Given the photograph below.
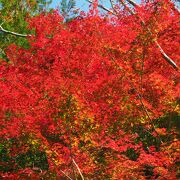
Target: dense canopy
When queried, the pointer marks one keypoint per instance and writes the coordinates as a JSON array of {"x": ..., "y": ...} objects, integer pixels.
[{"x": 93, "y": 98}]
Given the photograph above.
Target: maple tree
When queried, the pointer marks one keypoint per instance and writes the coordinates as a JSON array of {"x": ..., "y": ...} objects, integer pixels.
[{"x": 93, "y": 97}]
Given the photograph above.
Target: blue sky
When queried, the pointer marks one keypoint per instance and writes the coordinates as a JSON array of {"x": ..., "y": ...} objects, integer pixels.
[{"x": 83, "y": 4}]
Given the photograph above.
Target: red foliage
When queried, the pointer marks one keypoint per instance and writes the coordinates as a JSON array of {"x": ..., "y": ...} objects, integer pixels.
[{"x": 81, "y": 88}]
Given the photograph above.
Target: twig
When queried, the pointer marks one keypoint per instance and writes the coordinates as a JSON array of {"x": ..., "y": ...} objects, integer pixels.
[
  {"x": 132, "y": 3},
  {"x": 12, "y": 33},
  {"x": 166, "y": 57},
  {"x": 78, "y": 169},
  {"x": 104, "y": 8},
  {"x": 66, "y": 175},
  {"x": 113, "y": 6},
  {"x": 126, "y": 7}
]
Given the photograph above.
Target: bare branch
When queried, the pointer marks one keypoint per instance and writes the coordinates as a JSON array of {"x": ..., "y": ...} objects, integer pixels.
[
  {"x": 126, "y": 7},
  {"x": 12, "y": 33},
  {"x": 113, "y": 6},
  {"x": 166, "y": 57},
  {"x": 132, "y": 3},
  {"x": 66, "y": 175},
  {"x": 78, "y": 169},
  {"x": 104, "y": 8}
]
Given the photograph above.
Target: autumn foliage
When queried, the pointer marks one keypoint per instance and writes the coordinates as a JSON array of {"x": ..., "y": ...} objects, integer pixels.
[{"x": 95, "y": 91}]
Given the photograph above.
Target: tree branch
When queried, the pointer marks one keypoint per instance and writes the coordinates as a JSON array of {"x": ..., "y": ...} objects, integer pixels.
[
  {"x": 104, "y": 8},
  {"x": 113, "y": 6},
  {"x": 132, "y": 3},
  {"x": 166, "y": 57},
  {"x": 66, "y": 175},
  {"x": 12, "y": 33},
  {"x": 78, "y": 169},
  {"x": 126, "y": 7}
]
